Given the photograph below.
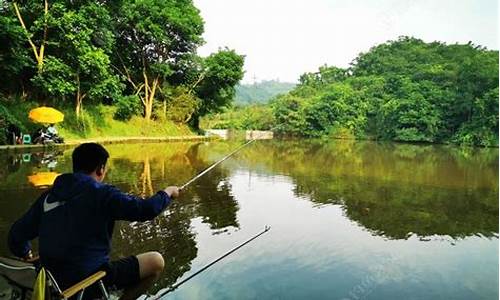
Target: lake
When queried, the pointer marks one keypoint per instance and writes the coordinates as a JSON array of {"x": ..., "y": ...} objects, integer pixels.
[{"x": 349, "y": 220}]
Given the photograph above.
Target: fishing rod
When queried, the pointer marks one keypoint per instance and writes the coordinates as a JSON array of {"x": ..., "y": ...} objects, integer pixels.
[
  {"x": 182, "y": 187},
  {"x": 175, "y": 286},
  {"x": 220, "y": 161}
]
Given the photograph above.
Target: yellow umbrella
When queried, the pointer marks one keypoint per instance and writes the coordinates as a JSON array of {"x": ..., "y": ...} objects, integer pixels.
[
  {"x": 46, "y": 115},
  {"x": 43, "y": 178}
]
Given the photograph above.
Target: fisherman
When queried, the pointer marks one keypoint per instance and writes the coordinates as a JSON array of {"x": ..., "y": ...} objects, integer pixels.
[
  {"x": 74, "y": 223},
  {"x": 51, "y": 130}
]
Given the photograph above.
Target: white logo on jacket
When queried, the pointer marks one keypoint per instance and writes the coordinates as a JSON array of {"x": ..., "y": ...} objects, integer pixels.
[{"x": 50, "y": 206}]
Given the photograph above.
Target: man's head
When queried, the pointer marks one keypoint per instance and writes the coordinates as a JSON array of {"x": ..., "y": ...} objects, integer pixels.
[{"x": 90, "y": 158}]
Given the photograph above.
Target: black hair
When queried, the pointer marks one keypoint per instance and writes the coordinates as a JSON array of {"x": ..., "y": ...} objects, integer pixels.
[{"x": 89, "y": 157}]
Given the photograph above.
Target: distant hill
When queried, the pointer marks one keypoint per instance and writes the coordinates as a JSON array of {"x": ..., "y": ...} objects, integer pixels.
[{"x": 260, "y": 92}]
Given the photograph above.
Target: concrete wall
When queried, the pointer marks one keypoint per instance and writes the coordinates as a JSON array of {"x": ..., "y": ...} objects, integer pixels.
[
  {"x": 223, "y": 133},
  {"x": 259, "y": 135}
]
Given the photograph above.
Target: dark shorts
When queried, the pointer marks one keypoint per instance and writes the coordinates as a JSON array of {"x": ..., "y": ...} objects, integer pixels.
[{"x": 122, "y": 273}]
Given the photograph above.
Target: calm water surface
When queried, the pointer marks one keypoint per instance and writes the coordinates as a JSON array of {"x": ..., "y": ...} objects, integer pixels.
[{"x": 350, "y": 220}]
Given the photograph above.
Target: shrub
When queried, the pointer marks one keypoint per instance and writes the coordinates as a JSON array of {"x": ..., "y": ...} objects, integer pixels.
[
  {"x": 127, "y": 106},
  {"x": 181, "y": 105},
  {"x": 6, "y": 119}
]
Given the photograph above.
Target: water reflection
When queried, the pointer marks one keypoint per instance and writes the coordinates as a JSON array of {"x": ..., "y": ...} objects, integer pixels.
[
  {"x": 210, "y": 198},
  {"x": 396, "y": 191},
  {"x": 171, "y": 235},
  {"x": 212, "y": 194},
  {"x": 43, "y": 179}
]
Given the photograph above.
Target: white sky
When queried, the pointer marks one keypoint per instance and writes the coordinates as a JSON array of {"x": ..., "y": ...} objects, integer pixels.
[{"x": 285, "y": 38}]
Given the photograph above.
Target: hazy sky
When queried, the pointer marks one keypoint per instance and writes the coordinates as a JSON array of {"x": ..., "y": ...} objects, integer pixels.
[{"x": 285, "y": 38}]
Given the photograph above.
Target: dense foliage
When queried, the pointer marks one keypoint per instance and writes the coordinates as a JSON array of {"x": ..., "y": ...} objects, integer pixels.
[
  {"x": 404, "y": 90},
  {"x": 260, "y": 92},
  {"x": 139, "y": 55},
  {"x": 246, "y": 117}
]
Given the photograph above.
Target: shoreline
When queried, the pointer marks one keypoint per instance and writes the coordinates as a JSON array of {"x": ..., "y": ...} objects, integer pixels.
[{"x": 107, "y": 141}]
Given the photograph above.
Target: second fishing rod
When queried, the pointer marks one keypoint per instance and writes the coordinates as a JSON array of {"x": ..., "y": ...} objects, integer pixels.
[{"x": 205, "y": 171}]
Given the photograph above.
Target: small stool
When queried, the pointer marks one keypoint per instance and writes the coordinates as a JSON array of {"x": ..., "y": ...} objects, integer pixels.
[{"x": 26, "y": 139}]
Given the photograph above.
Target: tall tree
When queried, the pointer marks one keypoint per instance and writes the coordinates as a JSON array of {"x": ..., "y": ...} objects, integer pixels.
[
  {"x": 153, "y": 36},
  {"x": 78, "y": 63},
  {"x": 221, "y": 71},
  {"x": 35, "y": 33}
]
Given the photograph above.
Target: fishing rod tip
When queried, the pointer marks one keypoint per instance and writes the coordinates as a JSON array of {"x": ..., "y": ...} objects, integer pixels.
[{"x": 267, "y": 228}]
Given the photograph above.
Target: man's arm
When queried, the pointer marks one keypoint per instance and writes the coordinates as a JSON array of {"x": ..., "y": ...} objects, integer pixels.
[
  {"x": 25, "y": 229},
  {"x": 121, "y": 206}
]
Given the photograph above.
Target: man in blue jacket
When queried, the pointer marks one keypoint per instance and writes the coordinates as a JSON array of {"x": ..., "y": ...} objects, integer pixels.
[{"x": 74, "y": 223}]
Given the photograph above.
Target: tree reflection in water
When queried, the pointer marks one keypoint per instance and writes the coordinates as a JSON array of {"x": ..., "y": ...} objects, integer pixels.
[
  {"x": 209, "y": 198},
  {"x": 394, "y": 190},
  {"x": 214, "y": 200}
]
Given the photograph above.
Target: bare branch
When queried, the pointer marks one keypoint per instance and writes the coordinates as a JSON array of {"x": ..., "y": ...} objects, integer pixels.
[
  {"x": 18, "y": 14},
  {"x": 44, "y": 40},
  {"x": 202, "y": 76}
]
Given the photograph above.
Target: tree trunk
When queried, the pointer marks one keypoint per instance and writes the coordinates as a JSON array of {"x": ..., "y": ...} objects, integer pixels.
[
  {"x": 149, "y": 96},
  {"x": 195, "y": 122},
  {"x": 38, "y": 52},
  {"x": 78, "y": 107},
  {"x": 79, "y": 98}
]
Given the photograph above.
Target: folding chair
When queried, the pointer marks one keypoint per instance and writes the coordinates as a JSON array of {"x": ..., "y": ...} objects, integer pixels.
[{"x": 22, "y": 275}]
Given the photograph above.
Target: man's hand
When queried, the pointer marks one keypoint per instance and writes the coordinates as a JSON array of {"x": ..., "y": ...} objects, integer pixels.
[
  {"x": 172, "y": 191},
  {"x": 28, "y": 256}
]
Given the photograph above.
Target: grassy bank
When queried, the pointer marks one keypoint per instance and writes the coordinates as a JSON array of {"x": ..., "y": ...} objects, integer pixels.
[{"x": 96, "y": 122}]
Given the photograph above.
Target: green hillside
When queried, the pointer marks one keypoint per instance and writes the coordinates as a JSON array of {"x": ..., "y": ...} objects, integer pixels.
[
  {"x": 260, "y": 92},
  {"x": 404, "y": 90}
]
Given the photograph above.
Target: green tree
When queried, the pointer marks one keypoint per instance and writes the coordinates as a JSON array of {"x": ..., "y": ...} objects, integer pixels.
[
  {"x": 78, "y": 61},
  {"x": 481, "y": 128},
  {"x": 220, "y": 73},
  {"x": 288, "y": 112},
  {"x": 325, "y": 75},
  {"x": 36, "y": 32},
  {"x": 181, "y": 105},
  {"x": 405, "y": 90},
  {"x": 337, "y": 109},
  {"x": 408, "y": 114},
  {"x": 154, "y": 35},
  {"x": 15, "y": 59}
]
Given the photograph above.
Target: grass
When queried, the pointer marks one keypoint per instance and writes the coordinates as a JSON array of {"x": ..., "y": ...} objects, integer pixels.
[{"x": 97, "y": 122}]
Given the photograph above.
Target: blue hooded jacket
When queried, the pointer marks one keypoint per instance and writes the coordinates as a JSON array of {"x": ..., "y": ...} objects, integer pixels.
[{"x": 74, "y": 223}]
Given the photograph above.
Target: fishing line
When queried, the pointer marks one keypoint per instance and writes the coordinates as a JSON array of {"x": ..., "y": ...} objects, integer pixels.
[{"x": 266, "y": 228}]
